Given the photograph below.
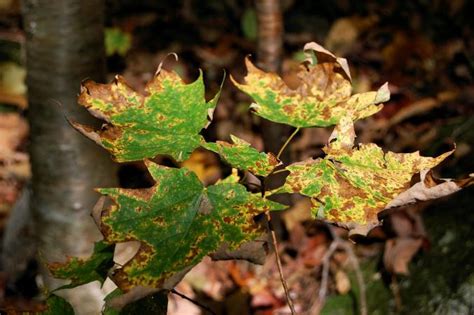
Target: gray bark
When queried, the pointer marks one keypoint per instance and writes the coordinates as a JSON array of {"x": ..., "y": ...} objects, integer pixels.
[{"x": 64, "y": 45}]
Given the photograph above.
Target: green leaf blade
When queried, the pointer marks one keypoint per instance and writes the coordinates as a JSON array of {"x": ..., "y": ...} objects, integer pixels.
[
  {"x": 56, "y": 305},
  {"x": 166, "y": 120},
  {"x": 352, "y": 186},
  {"x": 178, "y": 222},
  {"x": 322, "y": 98},
  {"x": 82, "y": 271},
  {"x": 242, "y": 156}
]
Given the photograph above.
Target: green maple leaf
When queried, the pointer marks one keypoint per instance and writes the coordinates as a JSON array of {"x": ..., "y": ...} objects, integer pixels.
[
  {"x": 57, "y": 305},
  {"x": 117, "y": 41},
  {"x": 352, "y": 185},
  {"x": 242, "y": 156},
  {"x": 322, "y": 98},
  {"x": 178, "y": 222},
  {"x": 82, "y": 271},
  {"x": 166, "y": 120}
]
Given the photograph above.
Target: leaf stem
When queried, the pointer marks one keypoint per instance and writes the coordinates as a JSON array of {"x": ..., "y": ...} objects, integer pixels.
[
  {"x": 287, "y": 142},
  {"x": 204, "y": 307},
  {"x": 278, "y": 261}
]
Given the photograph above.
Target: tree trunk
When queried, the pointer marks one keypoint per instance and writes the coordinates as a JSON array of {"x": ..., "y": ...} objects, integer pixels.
[
  {"x": 65, "y": 45},
  {"x": 269, "y": 54}
]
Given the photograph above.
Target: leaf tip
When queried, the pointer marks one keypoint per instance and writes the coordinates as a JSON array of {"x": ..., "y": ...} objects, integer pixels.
[{"x": 383, "y": 94}]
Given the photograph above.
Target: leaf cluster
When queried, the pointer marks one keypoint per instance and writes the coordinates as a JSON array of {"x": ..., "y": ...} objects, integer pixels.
[{"x": 178, "y": 221}]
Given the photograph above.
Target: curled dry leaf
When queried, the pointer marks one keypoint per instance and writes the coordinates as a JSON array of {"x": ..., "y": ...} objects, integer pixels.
[
  {"x": 166, "y": 120},
  {"x": 242, "y": 156},
  {"x": 322, "y": 98},
  {"x": 429, "y": 188},
  {"x": 399, "y": 252}
]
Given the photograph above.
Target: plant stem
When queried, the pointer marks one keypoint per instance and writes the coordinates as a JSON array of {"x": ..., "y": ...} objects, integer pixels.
[
  {"x": 204, "y": 307},
  {"x": 287, "y": 142},
  {"x": 278, "y": 261}
]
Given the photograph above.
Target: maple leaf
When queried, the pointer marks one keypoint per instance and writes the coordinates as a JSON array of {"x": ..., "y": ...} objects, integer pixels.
[
  {"x": 166, "y": 120},
  {"x": 322, "y": 98},
  {"x": 242, "y": 156},
  {"x": 350, "y": 186},
  {"x": 178, "y": 221},
  {"x": 56, "y": 305},
  {"x": 82, "y": 271}
]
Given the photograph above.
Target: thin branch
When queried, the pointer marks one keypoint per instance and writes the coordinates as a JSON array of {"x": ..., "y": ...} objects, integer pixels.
[
  {"x": 325, "y": 273},
  {"x": 279, "y": 171},
  {"x": 335, "y": 244},
  {"x": 280, "y": 269},
  {"x": 287, "y": 142},
  {"x": 396, "y": 293},
  {"x": 204, "y": 307},
  {"x": 318, "y": 305},
  {"x": 359, "y": 277}
]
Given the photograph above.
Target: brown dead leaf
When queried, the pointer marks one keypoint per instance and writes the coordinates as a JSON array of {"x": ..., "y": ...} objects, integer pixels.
[
  {"x": 297, "y": 214},
  {"x": 13, "y": 131},
  {"x": 399, "y": 252},
  {"x": 343, "y": 284},
  {"x": 429, "y": 188},
  {"x": 205, "y": 165},
  {"x": 345, "y": 31}
]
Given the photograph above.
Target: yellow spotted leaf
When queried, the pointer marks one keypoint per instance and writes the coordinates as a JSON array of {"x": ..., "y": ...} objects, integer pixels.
[
  {"x": 323, "y": 97},
  {"x": 167, "y": 119}
]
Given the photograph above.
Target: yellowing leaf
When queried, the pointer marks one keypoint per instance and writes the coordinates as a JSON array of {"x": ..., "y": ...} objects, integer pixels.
[
  {"x": 178, "y": 221},
  {"x": 166, "y": 120},
  {"x": 352, "y": 185},
  {"x": 242, "y": 156},
  {"x": 322, "y": 99}
]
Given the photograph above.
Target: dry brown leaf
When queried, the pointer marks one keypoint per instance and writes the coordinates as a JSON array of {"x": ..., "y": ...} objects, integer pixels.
[
  {"x": 429, "y": 188},
  {"x": 399, "y": 252},
  {"x": 343, "y": 284}
]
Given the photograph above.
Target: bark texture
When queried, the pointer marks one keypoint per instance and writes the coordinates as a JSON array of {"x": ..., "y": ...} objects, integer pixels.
[
  {"x": 269, "y": 55},
  {"x": 64, "y": 45}
]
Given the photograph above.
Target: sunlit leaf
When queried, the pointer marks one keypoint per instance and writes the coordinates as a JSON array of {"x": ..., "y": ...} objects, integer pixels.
[
  {"x": 242, "y": 156},
  {"x": 351, "y": 186},
  {"x": 178, "y": 222},
  {"x": 166, "y": 120},
  {"x": 323, "y": 97}
]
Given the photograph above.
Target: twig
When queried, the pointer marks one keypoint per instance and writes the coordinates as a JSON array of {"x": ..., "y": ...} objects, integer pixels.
[
  {"x": 325, "y": 273},
  {"x": 204, "y": 307},
  {"x": 317, "y": 306},
  {"x": 279, "y": 171},
  {"x": 359, "y": 277},
  {"x": 335, "y": 244},
  {"x": 396, "y": 293},
  {"x": 280, "y": 269},
  {"x": 287, "y": 142}
]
